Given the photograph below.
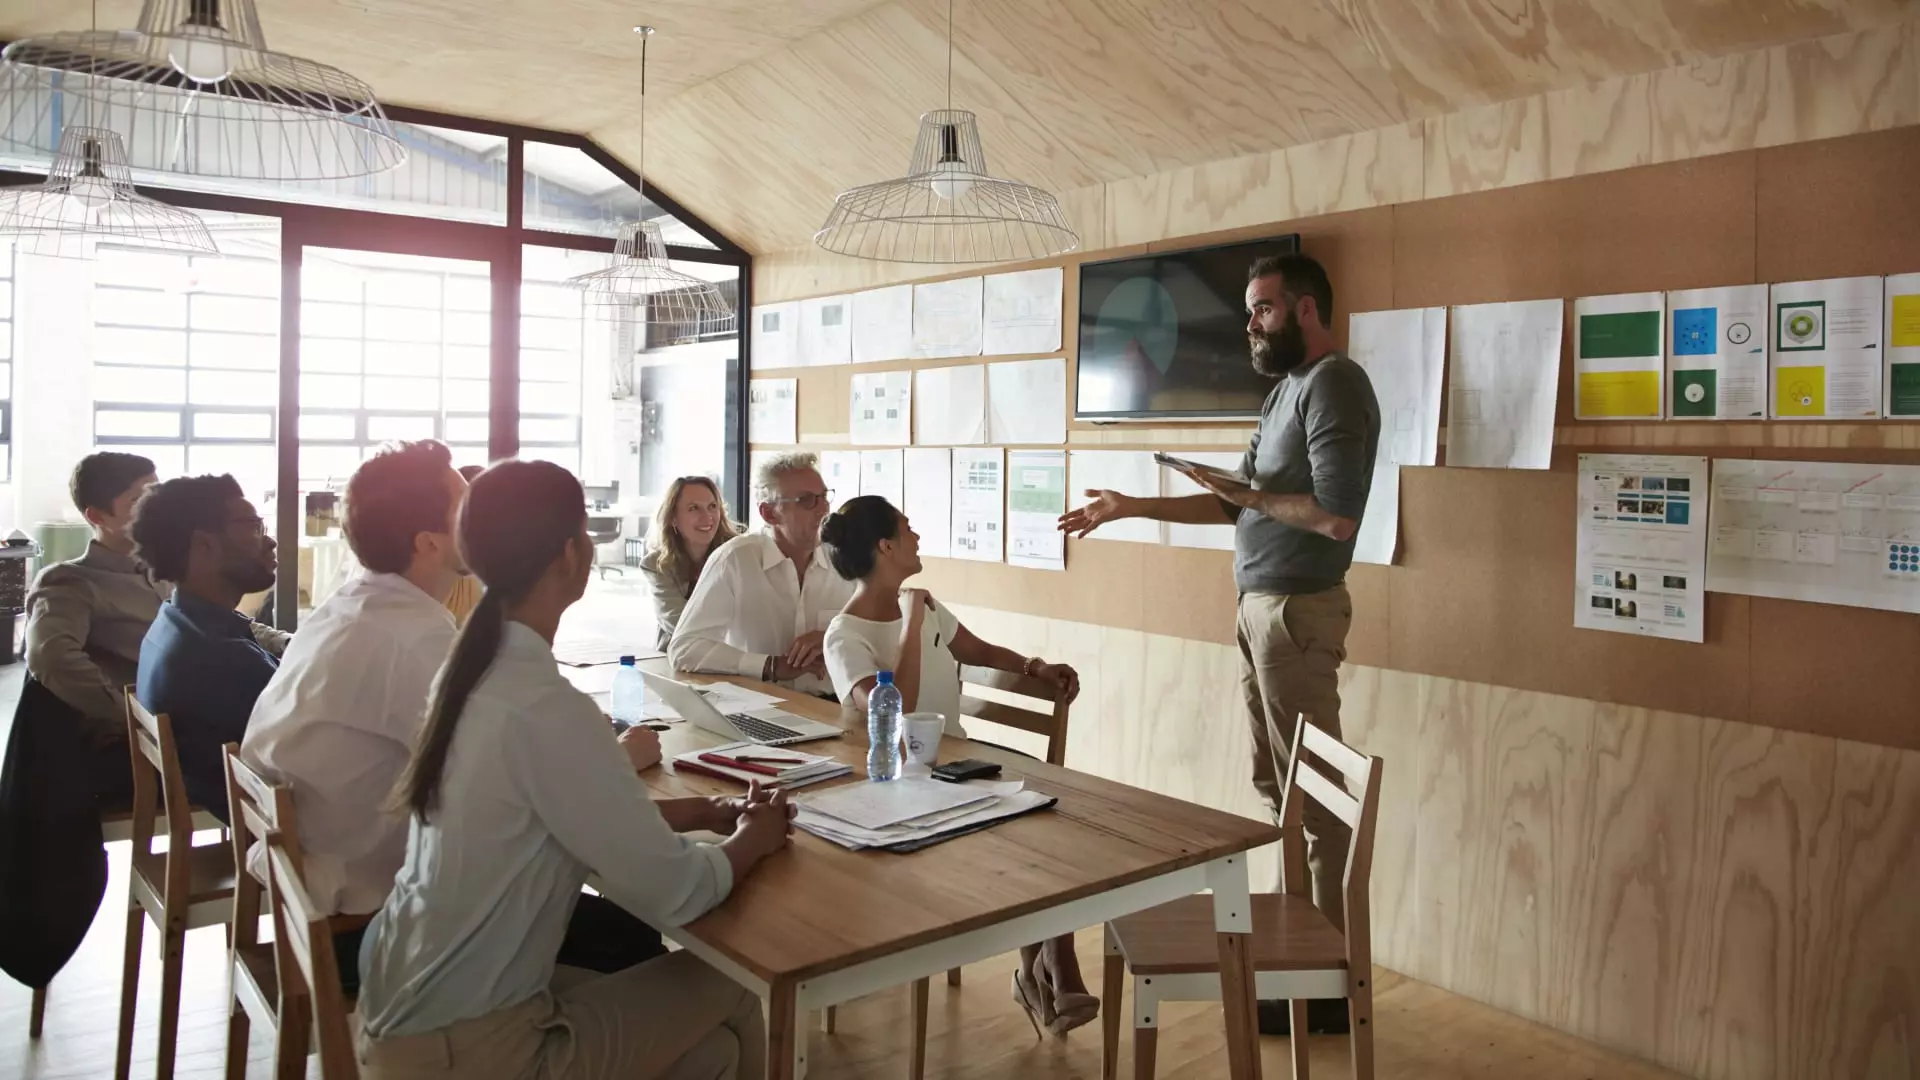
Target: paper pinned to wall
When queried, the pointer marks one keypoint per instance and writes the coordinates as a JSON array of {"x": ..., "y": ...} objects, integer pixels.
[
  {"x": 1641, "y": 558},
  {"x": 1619, "y": 366},
  {"x": 947, "y": 319},
  {"x": 883, "y": 473},
  {"x": 1717, "y": 353},
  {"x": 773, "y": 411},
  {"x": 883, "y": 324},
  {"x": 1174, "y": 483},
  {"x": 826, "y": 331},
  {"x": 1027, "y": 401},
  {"x": 1022, "y": 312},
  {"x": 776, "y": 335},
  {"x": 1129, "y": 472},
  {"x": 840, "y": 471},
  {"x": 1825, "y": 345},
  {"x": 954, "y": 411},
  {"x": 1902, "y": 332},
  {"x": 1827, "y": 532},
  {"x": 1404, "y": 354},
  {"x": 1506, "y": 374},
  {"x": 880, "y": 408},
  {"x": 979, "y": 504},
  {"x": 928, "y": 480},
  {"x": 1036, "y": 497}
]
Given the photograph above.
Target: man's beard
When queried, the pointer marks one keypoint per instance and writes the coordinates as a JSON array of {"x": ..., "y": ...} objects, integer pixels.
[{"x": 1277, "y": 353}]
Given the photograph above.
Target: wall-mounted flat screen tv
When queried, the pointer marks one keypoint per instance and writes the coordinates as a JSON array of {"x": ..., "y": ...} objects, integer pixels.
[{"x": 1164, "y": 336}]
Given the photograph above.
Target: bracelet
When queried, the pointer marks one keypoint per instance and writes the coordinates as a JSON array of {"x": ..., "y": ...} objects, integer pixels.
[{"x": 1027, "y": 668}]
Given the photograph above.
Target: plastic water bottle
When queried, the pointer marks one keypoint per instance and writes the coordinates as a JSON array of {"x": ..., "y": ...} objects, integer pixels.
[
  {"x": 629, "y": 697},
  {"x": 884, "y": 708}
]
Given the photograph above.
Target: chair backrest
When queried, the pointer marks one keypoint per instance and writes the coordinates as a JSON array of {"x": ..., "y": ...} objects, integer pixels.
[
  {"x": 257, "y": 809},
  {"x": 1052, "y": 723},
  {"x": 303, "y": 949},
  {"x": 1334, "y": 771},
  {"x": 158, "y": 783}
]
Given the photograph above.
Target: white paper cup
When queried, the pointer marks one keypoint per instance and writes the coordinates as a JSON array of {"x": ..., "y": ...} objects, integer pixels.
[{"x": 921, "y": 734}]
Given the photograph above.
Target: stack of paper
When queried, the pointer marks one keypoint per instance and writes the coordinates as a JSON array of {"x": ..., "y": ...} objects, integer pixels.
[
  {"x": 911, "y": 812},
  {"x": 773, "y": 766}
]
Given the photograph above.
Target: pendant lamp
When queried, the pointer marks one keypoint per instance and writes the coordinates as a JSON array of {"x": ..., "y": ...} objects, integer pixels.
[{"x": 88, "y": 198}]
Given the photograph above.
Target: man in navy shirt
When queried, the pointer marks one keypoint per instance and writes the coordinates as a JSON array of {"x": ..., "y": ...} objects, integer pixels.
[{"x": 202, "y": 662}]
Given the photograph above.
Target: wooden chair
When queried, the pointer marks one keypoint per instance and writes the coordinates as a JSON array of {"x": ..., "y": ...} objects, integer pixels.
[
  {"x": 303, "y": 946},
  {"x": 257, "y": 992},
  {"x": 1298, "y": 954},
  {"x": 183, "y": 889}
]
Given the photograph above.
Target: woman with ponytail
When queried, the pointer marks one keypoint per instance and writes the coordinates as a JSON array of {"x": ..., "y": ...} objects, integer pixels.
[{"x": 516, "y": 792}]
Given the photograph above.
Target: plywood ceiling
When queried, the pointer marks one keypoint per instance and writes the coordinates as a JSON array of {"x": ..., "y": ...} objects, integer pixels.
[{"x": 761, "y": 111}]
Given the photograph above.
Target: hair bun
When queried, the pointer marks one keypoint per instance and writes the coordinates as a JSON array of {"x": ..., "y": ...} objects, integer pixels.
[{"x": 834, "y": 529}]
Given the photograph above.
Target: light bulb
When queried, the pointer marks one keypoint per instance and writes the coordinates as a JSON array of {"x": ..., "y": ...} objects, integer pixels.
[
  {"x": 951, "y": 180},
  {"x": 200, "y": 53},
  {"x": 91, "y": 192}
]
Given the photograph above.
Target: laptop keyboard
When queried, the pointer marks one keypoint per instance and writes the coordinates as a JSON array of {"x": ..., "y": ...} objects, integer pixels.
[{"x": 765, "y": 731}]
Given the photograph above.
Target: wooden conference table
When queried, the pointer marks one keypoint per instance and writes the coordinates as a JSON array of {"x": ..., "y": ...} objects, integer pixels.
[{"x": 817, "y": 925}]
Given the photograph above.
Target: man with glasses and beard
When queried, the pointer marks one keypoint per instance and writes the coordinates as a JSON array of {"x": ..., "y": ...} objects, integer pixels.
[
  {"x": 202, "y": 662},
  {"x": 1295, "y": 505}
]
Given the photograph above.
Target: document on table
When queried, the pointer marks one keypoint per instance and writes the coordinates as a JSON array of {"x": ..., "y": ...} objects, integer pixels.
[
  {"x": 1022, "y": 312},
  {"x": 883, "y": 473},
  {"x": 1619, "y": 368},
  {"x": 1036, "y": 497},
  {"x": 1903, "y": 345},
  {"x": 1826, "y": 532},
  {"x": 929, "y": 497},
  {"x": 826, "y": 331},
  {"x": 975, "y": 804},
  {"x": 1129, "y": 472},
  {"x": 876, "y": 806},
  {"x": 979, "y": 503},
  {"x": 840, "y": 471},
  {"x": 1404, "y": 354},
  {"x": 1027, "y": 400},
  {"x": 1640, "y": 563},
  {"x": 1174, "y": 483},
  {"x": 883, "y": 324},
  {"x": 773, "y": 411},
  {"x": 776, "y": 335},
  {"x": 958, "y": 415},
  {"x": 947, "y": 319},
  {"x": 1506, "y": 373},
  {"x": 1717, "y": 342},
  {"x": 1826, "y": 350},
  {"x": 880, "y": 408}
]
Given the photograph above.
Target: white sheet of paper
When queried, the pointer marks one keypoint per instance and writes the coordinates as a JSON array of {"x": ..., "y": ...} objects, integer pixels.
[
  {"x": 928, "y": 480},
  {"x": 954, "y": 406},
  {"x": 979, "y": 504},
  {"x": 1640, "y": 562},
  {"x": 1174, "y": 483},
  {"x": 883, "y": 473},
  {"x": 880, "y": 408},
  {"x": 776, "y": 335},
  {"x": 1404, "y": 353},
  {"x": 840, "y": 470},
  {"x": 1825, "y": 346},
  {"x": 883, "y": 324},
  {"x": 1506, "y": 373},
  {"x": 876, "y": 806},
  {"x": 1027, "y": 400},
  {"x": 1717, "y": 353},
  {"x": 1036, "y": 497},
  {"x": 1023, "y": 312},
  {"x": 826, "y": 331},
  {"x": 947, "y": 319},
  {"x": 1827, "y": 532},
  {"x": 1129, "y": 472},
  {"x": 1902, "y": 332},
  {"x": 1619, "y": 366},
  {"x": 773, "y": 411}
]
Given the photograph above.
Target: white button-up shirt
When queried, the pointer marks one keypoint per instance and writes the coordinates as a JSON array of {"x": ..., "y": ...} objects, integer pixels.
[
  {"x": 750, "y": 604},
  {"x": 338, "y": 720}
]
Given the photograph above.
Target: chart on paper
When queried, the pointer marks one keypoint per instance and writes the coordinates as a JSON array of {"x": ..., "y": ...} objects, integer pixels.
[{"x": 1826, "y": 532}]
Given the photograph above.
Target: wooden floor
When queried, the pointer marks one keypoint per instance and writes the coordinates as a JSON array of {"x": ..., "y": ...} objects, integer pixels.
[{"x": 975, "y": 1031}]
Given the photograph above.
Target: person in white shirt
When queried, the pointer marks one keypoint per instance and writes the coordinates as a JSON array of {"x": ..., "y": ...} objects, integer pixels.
[
  {"x": 515, "y": 793},
  {"x": 763, "y": 601},
  {"x": 885, "y": 627}
]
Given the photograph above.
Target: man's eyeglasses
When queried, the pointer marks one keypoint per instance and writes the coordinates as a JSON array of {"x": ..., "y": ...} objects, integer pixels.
[
  {"x": 254, "y": 526},
  {"x": 808, "y": 500}
]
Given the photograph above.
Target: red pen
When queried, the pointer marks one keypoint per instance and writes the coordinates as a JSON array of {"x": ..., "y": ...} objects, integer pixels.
[
  {"x": 771, "y": 760},
  {"x": 737, "y": 763}
]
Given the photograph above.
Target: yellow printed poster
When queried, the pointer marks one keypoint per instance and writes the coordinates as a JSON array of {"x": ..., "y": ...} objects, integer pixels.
[
  {"x": 1618, "y": 357},
  {"x": 1903, "y": 327},
  {"x": 1903, "y": 346},
  {"x": 1800, "y": 391},
  {"x": 1606, "y": 395}
]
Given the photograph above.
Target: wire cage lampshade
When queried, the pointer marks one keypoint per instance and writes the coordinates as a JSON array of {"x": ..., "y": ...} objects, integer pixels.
[
  {"x": 675, "y": 304},
  {"x": 194, "y": 89},
  {"x": 948, "y": 208},
  {"x": 89, "y": 197}
]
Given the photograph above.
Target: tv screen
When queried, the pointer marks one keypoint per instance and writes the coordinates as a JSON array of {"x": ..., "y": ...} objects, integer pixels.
[{"x": 1165, "y": 335}]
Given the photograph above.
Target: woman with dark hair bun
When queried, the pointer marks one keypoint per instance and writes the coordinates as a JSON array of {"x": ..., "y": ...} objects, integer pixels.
[{"x": 889, "y": 628}]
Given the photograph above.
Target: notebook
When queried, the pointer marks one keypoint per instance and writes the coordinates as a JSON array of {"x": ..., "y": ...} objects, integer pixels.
[{"x": 723, "y": 762}]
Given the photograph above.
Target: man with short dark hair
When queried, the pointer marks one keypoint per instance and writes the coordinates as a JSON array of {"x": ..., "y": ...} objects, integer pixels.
[
  {"x": 1295, "y": 505},
  {"x": 202, "y": 662}
]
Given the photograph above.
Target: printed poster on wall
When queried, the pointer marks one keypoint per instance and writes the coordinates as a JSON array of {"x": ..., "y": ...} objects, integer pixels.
[
  {"x": 826, "y": 331},
  {"x": 979, "y": 503},
  {"x": 1640, "y": 565},
  {"x": 773, "y": 411},
  {"x": 880, "y": 408},
  {"x": 1036, "y": 497},
  {"x": 1717, "y": 344},
  {"x": 1903, "y": 345},
  {"x": 1827, "y": 532},
  {"x": 1826, "y": 350},
  {"x": 1404, "y": 354},
  {"x": 928, "y": 480},
  {"x": 1618, "y": 366},
  {"x": 776, "y": 335}
]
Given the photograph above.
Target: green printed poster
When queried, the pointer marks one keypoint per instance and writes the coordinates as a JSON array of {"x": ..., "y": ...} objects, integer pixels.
[
  {"x": 1695, "y": 394},
  {"x": 1620, "y": 334}
]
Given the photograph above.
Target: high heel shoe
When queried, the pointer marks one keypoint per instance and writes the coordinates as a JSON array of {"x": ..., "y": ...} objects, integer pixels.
[
  {"x": 1033, "y": 1000},
  {"x": 1070, "y": 1009}
]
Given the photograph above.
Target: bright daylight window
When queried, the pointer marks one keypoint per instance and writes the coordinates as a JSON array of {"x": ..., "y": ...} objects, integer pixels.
[{"x": 6, "y": 362}]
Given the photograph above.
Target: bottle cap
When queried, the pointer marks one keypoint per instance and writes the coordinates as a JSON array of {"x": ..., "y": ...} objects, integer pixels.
[
  {"x": 885, "y": 678},
  {"x": 626, "y": 661}
]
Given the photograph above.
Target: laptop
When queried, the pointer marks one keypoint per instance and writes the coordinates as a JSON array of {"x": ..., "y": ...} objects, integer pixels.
[{"x": 770, "y": 727}]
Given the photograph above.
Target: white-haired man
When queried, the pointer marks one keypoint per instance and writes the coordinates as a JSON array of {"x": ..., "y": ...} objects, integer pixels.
[{"x": 764, "y": 600}]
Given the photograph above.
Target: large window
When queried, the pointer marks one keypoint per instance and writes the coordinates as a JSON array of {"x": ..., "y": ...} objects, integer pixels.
[{"x": 6, "y": 362}]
